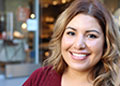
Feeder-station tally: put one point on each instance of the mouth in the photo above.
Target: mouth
(79, 56)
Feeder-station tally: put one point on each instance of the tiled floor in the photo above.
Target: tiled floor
(12, 81)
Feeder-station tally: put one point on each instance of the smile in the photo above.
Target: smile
(77, 56)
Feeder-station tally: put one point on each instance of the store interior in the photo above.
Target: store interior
(19, 43)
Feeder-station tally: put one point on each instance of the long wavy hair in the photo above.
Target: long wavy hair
(105, 72)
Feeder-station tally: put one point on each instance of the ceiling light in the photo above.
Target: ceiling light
(32, 16)
(55, 2)
(24, 26)
(63, 1)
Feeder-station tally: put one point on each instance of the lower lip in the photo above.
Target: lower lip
(78, 58)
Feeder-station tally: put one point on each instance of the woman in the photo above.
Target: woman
(85, 49)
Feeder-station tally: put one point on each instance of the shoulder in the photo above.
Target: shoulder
(42, 76)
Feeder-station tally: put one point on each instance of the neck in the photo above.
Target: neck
(78, 78)
(82, 75)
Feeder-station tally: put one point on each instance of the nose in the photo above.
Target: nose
(79, 43)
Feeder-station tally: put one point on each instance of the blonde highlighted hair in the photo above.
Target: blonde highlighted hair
(105, 72)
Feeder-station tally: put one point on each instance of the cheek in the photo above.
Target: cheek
(96, 46)
(66, 42)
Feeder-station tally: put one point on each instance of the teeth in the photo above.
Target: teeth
(79, 55)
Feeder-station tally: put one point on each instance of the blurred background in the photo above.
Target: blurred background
(26, 27)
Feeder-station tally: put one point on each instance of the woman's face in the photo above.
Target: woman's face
(82, 43)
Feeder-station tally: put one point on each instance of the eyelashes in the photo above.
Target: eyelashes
(71, 33)
(89, 35)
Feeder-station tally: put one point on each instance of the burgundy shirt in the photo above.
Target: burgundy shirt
(43, 76)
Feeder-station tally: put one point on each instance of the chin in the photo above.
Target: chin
(79, 67)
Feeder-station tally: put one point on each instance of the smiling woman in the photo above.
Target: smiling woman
(85, 49)
(79, 43)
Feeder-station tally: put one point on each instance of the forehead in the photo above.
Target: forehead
(84, 21)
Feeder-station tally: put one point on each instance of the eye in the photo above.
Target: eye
(71, 33)
(92, 36)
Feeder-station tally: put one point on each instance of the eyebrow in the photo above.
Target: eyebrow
(86, 31)
(93, 31)
(71, 28)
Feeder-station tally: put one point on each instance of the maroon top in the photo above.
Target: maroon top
(43, 76)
